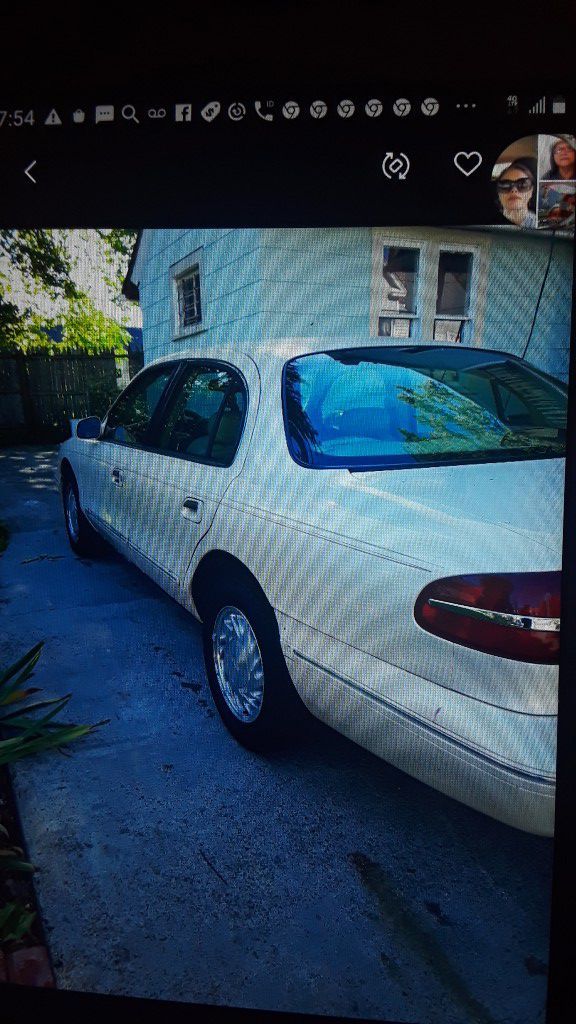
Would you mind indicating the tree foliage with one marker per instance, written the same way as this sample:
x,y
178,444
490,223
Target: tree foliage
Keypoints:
x,y
43,262
41,256
118,240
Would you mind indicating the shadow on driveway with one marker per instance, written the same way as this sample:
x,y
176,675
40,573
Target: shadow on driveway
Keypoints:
x,y
174,864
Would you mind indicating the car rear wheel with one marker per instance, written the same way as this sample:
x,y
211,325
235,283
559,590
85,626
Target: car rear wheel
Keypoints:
x,y
83,539
246,670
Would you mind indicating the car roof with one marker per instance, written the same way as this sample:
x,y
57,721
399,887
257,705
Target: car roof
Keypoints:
x,y
283,349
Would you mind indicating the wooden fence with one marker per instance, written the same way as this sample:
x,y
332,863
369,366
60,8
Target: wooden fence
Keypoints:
x,y
39,394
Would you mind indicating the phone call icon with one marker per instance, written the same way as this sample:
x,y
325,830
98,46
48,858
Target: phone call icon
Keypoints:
x,y
265,114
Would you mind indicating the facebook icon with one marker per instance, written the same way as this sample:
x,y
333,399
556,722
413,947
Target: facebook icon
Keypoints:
x,y
183,112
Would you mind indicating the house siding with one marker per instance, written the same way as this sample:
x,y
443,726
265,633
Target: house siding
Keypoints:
x,y
515,276
259,283
230,287
316,282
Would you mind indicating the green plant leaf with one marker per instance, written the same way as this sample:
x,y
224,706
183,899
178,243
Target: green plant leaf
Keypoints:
x,y
19,695
13,750
22,678
13,717
10,863
9,688
15,921
28,659
38,725
33,735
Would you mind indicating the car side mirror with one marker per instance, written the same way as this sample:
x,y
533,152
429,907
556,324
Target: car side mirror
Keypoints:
x,y
89,429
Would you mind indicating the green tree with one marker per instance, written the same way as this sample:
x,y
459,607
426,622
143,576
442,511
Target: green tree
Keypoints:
x,y
41,256
41,259
43,262
88,329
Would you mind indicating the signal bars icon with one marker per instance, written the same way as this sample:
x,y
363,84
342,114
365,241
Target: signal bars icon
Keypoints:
x,y
539,107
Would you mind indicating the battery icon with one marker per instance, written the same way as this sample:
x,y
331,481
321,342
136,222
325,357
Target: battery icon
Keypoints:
x,y
558,105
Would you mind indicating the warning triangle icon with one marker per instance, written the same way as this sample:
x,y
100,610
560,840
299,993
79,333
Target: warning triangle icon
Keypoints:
x,y
52,118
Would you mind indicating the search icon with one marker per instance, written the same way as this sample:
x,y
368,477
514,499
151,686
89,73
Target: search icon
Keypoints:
x,y
129,113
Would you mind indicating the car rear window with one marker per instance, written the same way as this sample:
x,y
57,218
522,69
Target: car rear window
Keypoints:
x,y
376,408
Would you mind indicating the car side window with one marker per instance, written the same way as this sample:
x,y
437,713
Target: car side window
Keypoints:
x,y
206,415
129,418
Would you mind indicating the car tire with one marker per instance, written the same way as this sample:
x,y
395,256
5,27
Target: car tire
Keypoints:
x,y
82,537
257,701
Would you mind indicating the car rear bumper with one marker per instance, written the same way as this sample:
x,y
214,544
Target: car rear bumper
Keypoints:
x,y
519,794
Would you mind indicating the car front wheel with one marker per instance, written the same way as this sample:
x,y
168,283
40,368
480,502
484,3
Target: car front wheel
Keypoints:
x,y
83,539
246,670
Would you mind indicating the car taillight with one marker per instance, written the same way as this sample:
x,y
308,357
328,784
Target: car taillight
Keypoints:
x,y
513,615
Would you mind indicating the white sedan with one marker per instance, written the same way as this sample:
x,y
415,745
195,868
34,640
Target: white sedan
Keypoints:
x,y
369,532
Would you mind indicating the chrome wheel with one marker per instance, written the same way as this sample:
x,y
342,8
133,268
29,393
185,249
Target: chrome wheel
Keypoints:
x,y
72,514
238,664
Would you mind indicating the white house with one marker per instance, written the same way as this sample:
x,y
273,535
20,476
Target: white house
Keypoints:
x,y
492,287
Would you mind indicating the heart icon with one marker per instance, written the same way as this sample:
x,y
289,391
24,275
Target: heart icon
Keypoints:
x,y
467,163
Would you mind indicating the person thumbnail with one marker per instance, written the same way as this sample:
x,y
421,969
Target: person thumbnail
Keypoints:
x,y
557,184
516,190
557,158
534,182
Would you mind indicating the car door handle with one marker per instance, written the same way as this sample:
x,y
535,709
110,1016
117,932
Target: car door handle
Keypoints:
x,y
117,476
192,509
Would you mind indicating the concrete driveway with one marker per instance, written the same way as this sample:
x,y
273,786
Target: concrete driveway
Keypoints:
x,y
174,864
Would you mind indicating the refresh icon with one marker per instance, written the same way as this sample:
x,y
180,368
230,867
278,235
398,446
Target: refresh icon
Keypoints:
x,y
396,165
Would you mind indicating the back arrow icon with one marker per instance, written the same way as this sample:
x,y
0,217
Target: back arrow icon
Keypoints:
x,y
27,172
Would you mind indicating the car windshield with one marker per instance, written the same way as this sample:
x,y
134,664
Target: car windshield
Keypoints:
x,y
376,408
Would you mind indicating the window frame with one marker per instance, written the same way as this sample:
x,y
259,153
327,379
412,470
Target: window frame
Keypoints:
x,y
465,319
372,465
410,319
431,242
404,314
446,250
143,446
193,274
170,396
439,318
178,271
396,239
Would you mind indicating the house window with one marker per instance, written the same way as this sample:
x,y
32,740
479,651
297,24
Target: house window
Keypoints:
x,y
449,330
400,273
394,327
400,269
189,304
428,285
452,295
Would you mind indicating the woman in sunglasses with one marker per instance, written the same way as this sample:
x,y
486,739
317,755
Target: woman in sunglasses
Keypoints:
x,y
516,193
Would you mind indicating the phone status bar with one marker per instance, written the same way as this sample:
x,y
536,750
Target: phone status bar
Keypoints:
x,y
270,111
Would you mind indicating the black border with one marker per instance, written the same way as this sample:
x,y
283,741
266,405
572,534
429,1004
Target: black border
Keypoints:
x,y
286,45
